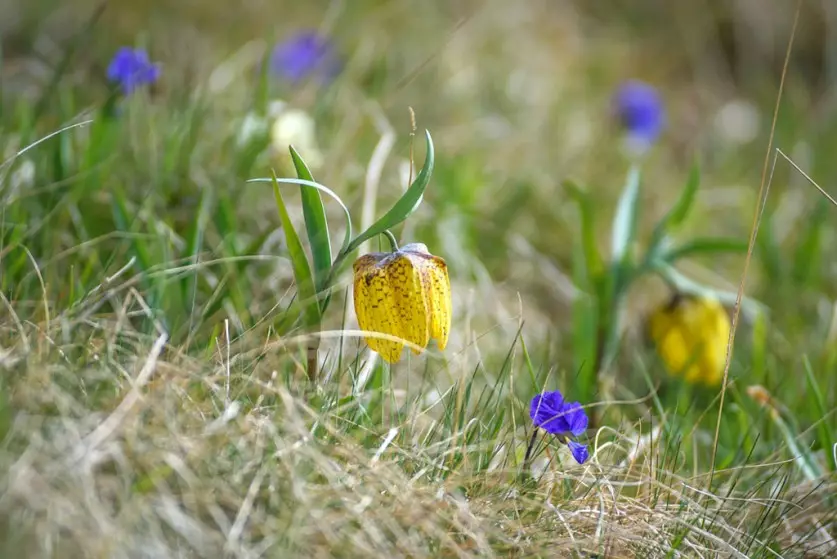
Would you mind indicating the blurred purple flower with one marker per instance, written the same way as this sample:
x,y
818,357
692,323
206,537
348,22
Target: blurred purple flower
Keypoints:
x,y
305,54
549,412
131,68
639,108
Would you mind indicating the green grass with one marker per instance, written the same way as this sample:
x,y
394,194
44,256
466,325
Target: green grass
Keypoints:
x,y
154,400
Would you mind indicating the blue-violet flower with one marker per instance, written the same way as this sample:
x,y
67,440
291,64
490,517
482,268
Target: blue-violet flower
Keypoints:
x,y
305,54
131,68
639,109
549,412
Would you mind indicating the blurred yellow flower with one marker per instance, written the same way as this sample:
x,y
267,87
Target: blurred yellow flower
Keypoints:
x,y
405,294
691,335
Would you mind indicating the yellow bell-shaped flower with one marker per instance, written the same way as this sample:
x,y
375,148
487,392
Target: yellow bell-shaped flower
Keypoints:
x,y
405,294
691,335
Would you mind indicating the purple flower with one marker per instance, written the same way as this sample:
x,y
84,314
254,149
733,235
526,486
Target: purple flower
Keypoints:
x,y
576,418
640,111
549,412
579,451
305,54
131,68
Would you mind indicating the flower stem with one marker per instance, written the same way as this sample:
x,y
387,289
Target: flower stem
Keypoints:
x,y
529,448
391,238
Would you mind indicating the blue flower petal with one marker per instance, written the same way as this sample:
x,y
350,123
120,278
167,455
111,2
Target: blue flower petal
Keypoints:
x,y
579,451
640,110
131,68
576,418
547,412
303,55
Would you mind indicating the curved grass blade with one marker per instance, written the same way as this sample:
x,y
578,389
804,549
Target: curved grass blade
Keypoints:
x,y
405,205
348,237
195,238
705,246
624,221
299,261
751,307
593,260
315,223
680,211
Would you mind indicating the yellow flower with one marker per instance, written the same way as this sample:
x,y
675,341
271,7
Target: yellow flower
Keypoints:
x,y
691,335
405,294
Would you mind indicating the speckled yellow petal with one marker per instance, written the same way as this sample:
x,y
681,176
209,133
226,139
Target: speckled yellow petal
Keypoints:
x,y
436,290
409,302
374,306
440,300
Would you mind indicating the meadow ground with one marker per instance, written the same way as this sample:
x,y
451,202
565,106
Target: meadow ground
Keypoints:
x,y
156,318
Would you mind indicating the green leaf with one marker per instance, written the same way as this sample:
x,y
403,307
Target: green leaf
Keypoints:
x,y
624,221
704,246
592,257
585,324
299,261
806,463
769,251
680,211
826,435
195,238
348,237
405,205
750,307
315,223
808,254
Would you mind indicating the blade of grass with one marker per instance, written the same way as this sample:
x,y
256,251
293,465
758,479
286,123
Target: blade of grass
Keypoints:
x,y
302,274
825,433
764,190
316,224
704,246
680,211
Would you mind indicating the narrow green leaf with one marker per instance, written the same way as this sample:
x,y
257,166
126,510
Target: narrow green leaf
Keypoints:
x,y
750,307
705,246
801,455
585,323
592,257
680,211
315,223
405,205
348,237
123,221
299,261
195,240
825,433
808,254
769,251
624,221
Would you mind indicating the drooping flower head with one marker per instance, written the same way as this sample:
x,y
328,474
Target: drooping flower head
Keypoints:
x,y
303,55
639,109
131,68
405,294
691,335
551,413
